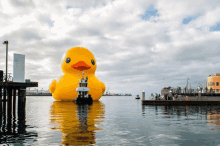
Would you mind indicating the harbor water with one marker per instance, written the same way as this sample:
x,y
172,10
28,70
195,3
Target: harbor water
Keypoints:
x,y
114,120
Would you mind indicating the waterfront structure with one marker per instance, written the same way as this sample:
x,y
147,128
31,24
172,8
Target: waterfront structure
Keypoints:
x,y
19,68
213,83
200,96
8,100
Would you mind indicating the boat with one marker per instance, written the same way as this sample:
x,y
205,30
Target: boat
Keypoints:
x,y
137,97
83,97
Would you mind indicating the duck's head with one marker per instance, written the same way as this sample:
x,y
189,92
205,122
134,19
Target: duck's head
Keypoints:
x,y
78,59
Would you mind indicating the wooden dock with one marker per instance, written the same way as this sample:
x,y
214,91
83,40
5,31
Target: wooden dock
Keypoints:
x,y
196,94
179,102
8,102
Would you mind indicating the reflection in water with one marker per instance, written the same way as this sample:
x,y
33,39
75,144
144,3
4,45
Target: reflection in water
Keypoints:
x,y
214,118
211,113
13,130
77,122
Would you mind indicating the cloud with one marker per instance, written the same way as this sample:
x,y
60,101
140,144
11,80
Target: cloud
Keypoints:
x,y
132,53
22,3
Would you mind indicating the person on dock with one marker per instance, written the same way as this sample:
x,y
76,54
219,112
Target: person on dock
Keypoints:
x,y
165,97
175,97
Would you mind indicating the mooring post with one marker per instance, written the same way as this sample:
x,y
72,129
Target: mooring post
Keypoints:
x,y
9,109
143,95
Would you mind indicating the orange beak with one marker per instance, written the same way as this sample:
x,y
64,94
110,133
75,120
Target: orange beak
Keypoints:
x,y
81,65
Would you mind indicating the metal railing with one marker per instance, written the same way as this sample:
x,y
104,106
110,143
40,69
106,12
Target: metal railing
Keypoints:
x,y
179,90
9,77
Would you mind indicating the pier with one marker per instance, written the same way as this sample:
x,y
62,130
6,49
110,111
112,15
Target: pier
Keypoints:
x,y
180,98
180,103
8,100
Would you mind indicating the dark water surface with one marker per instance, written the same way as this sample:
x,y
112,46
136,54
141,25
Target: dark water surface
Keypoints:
x,y
114,120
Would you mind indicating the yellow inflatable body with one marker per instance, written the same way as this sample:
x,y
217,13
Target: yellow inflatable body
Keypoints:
x,y
75,61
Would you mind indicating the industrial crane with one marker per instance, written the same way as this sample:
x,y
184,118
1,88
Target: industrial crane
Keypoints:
x,y
107,91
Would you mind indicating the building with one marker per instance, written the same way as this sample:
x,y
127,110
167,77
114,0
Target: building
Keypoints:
x,y
213,83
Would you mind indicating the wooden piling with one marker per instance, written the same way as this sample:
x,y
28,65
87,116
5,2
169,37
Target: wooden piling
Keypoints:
x,y
9,110
0,105
14,103
199,95
4,109
21,103
4,99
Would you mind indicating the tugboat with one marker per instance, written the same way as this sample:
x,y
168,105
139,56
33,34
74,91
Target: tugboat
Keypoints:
x,y
137,97
83,97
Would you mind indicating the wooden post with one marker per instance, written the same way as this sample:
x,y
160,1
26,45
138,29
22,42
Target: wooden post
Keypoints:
x,y
9,109
4,109
14,110
21,103
199,95
4,100
0,105
14,103
21,120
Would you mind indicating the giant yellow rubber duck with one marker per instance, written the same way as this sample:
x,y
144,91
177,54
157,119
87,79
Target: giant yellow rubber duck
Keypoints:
x,y
75,61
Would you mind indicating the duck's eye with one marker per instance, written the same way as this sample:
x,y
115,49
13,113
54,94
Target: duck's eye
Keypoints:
x,y
93,62
68,60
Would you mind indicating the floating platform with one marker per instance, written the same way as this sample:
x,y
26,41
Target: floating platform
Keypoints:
x,y
178,102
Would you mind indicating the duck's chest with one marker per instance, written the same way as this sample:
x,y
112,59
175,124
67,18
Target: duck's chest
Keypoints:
x,y
68,80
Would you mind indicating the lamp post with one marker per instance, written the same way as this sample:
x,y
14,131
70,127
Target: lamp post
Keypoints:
x,y
6,42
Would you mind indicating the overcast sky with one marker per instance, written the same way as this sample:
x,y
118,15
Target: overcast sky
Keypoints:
x,y
138,44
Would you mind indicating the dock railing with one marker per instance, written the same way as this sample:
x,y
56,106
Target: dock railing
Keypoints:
x,y
171,93
179,90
